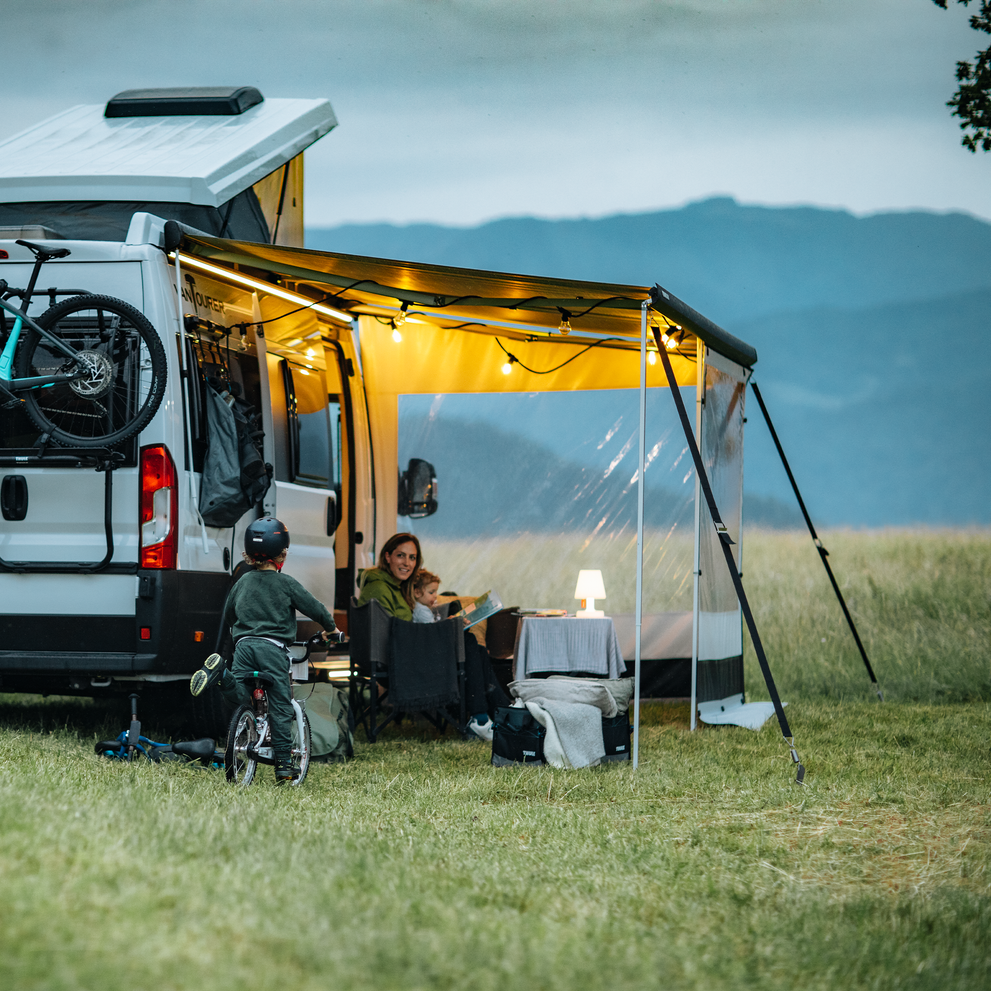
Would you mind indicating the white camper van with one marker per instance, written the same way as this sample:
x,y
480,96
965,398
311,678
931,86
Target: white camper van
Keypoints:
x,y
186,207
112,568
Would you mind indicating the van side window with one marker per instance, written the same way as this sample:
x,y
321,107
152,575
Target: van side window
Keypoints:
x,y
311,454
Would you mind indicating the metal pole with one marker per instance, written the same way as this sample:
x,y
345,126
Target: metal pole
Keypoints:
x,y
643,457
697,558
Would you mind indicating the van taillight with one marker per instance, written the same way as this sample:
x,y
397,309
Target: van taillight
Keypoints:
x,y
159,508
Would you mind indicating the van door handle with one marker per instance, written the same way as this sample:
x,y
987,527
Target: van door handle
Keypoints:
x,y
331,514
14,497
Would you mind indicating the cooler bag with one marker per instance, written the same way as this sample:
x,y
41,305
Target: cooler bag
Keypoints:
x,y
517,739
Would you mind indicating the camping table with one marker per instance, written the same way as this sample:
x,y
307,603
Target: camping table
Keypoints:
x,y
565,645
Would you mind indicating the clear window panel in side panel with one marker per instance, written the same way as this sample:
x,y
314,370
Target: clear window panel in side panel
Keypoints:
x,y
535,487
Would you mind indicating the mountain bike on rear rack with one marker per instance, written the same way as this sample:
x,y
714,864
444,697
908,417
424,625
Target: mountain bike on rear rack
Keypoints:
x,y
89,372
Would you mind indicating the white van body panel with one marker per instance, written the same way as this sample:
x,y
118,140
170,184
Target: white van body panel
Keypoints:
x,y
69,595
311,554
65,519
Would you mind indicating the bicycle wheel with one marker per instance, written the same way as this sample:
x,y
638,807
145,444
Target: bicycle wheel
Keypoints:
x,y
301,749
239,767
123,364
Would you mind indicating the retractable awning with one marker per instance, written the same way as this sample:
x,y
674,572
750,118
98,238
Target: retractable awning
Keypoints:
x,y
517,308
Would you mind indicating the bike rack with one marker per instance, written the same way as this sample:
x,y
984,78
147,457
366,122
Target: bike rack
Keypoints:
x,y
100,459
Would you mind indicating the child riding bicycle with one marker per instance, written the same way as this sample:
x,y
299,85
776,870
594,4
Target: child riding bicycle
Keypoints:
x,y
261,611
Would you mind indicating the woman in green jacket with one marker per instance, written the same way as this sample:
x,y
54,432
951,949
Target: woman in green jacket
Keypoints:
x,y
392,581
392,584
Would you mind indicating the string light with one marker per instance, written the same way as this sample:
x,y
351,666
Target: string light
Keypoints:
x,y
400,317
508,367
669,341
652,357
565,325
396,336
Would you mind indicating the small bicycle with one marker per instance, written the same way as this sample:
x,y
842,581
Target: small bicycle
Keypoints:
x,y
89,372
249,739
131,745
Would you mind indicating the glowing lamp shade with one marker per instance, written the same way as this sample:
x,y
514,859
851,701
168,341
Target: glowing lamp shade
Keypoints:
x,y
588,589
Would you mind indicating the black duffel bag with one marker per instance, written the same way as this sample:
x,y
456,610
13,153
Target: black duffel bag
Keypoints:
x,y
517,739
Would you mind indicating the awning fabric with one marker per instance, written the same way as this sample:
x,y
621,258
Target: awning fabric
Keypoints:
x,y
523,312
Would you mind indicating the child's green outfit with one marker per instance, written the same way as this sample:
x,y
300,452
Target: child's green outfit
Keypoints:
x,y
261,611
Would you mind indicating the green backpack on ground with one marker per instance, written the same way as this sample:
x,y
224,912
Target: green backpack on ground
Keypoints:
x,y
331,732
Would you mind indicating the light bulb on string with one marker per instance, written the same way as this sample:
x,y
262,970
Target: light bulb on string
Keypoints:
x,y
652,357
565,325
396,336
400,317
508,366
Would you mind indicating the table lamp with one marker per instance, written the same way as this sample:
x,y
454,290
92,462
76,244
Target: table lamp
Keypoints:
x,y
588,589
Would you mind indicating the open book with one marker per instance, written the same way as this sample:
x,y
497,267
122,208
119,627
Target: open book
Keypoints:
x,y
483,607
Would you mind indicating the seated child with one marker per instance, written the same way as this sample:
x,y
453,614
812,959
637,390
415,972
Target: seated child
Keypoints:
x,y
478,669
425,586
261,611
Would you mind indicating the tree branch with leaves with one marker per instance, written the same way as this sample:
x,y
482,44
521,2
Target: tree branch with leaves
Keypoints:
x,y
972,100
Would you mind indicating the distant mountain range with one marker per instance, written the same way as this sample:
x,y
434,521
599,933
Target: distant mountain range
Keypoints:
x,y
873,335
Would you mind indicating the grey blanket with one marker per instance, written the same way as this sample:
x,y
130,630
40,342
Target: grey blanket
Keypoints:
x,y
582,691
574,732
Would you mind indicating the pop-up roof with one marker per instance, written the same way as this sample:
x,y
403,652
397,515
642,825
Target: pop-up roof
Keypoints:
x,y
202,146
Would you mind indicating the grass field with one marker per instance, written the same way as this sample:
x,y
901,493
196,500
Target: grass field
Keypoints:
x,y
418,865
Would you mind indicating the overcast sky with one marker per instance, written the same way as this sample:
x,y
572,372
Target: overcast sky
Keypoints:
x,y
458,111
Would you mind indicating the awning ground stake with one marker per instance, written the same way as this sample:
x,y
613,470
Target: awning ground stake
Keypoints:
x,y
823,553
725,542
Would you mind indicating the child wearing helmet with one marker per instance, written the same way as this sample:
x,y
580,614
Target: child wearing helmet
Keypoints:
x,y
261,612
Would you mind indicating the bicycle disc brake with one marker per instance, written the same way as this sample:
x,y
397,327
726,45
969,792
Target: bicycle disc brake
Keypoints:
x,y
98,376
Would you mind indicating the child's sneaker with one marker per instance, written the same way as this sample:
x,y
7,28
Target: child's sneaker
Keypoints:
x,y
211,672
285,774
483,731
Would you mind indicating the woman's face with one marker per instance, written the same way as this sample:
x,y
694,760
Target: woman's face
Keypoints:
x,y
402,561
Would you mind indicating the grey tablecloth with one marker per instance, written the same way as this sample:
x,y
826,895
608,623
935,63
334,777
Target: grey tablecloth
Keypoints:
x,y
565,645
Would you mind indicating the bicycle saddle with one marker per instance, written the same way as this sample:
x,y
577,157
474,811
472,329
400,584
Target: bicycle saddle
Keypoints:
x,y
202,749
44,253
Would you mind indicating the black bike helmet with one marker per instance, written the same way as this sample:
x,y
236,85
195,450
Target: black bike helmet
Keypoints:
x,y
267,537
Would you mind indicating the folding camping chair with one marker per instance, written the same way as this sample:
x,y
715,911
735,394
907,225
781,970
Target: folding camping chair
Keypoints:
x,y
410,667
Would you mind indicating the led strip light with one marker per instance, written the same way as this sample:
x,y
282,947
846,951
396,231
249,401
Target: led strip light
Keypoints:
x,y
267,287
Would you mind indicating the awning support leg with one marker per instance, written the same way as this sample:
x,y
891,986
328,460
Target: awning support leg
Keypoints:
x,y
725,541
823,553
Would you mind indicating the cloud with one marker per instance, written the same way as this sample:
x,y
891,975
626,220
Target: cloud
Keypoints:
x,y
461,110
